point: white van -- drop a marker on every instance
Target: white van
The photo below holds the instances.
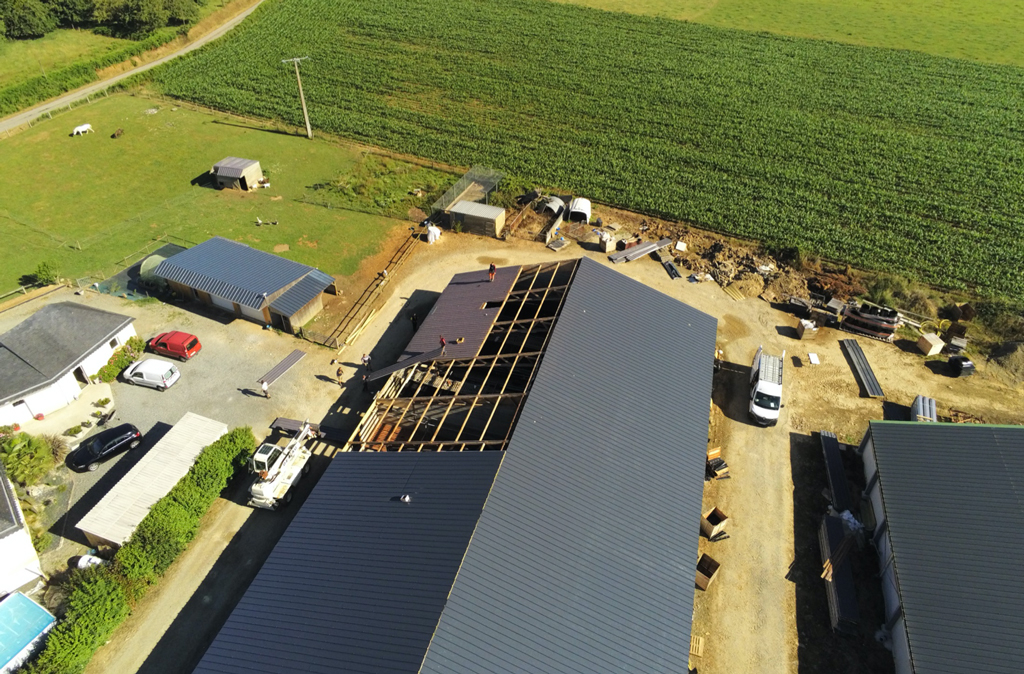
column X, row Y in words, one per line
column 152, row 372
column 765, row 388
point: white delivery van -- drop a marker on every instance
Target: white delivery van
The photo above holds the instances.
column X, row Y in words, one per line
column 765, row 388
column 152, row 372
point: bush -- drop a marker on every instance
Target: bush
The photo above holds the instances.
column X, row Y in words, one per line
column 122, row 358
column 25, row 457
column 172, row 523
column 45, row 274
column 73, row 431
column 58, row 446
column 103, row 402
column 96, row 605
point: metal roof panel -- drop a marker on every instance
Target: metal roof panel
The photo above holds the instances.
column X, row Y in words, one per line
column 961, row 598
column 300, row 294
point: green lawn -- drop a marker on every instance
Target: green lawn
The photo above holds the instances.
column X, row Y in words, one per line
column 111, row 196
column 982, row 31
column 24, row 59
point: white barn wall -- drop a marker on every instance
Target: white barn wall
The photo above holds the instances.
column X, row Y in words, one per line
column 98, row 358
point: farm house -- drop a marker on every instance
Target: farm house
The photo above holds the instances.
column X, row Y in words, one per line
column 426, row 536
column 477, row 218
column 19, row 563
column 237, row 173
column 265, row 288
column 945, row 518
column 47, row 359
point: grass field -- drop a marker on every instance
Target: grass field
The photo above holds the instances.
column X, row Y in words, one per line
column 111, row 197
column 884, row 159
column 23, row 59
column 981, row 31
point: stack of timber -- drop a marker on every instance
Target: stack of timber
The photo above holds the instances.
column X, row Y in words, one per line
column 871, row 320
column 716, row 469
column 843, row 611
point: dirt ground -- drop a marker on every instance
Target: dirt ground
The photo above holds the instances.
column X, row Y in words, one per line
column 764, row 611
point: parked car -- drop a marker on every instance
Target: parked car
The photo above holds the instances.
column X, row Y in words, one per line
column 180, row 345
column 152, row 372
column 103, row 446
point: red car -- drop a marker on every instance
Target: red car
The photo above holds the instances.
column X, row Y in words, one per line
column 180, row 345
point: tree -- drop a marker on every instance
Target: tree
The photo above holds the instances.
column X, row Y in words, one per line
column 182, row 11
column 26, row 18
column 71, row 13
column 46, row 273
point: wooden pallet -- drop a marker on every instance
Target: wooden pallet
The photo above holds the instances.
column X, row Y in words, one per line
column 697, row 646
column 732, row 291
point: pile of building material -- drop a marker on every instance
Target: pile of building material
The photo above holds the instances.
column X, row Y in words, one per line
column 870, row 320
column 639, row 251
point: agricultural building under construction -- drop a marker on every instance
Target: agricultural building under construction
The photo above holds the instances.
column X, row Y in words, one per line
column 525, row 499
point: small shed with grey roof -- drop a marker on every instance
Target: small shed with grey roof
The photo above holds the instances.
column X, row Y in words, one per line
column 476, row 218
column 113, row 520
column 243, row 174
column 947, row 510
column 48, row 358
column 265, row 288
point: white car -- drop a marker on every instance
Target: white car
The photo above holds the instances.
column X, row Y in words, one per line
column 153, row 372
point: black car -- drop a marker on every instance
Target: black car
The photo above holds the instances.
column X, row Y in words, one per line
column 103, row 446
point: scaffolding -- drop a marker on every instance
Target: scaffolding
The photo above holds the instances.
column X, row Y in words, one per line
column 476, row 185
column 472, row 403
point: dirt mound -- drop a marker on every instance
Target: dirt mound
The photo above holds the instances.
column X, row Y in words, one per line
column 749, row 283
column 1010, row 356
column 784, row 285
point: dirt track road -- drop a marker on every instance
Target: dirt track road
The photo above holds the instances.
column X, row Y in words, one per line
column 26, row 116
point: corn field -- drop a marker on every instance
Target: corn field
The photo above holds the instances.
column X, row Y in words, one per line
column 885, row 159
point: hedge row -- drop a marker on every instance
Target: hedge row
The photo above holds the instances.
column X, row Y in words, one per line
column 101, row 597
column 43, row 87
column 122, row 358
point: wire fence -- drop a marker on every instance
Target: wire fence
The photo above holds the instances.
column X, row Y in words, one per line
column 484, row 179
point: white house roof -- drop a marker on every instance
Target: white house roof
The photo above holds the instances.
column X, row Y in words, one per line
column 49, row 343
column 115, row 517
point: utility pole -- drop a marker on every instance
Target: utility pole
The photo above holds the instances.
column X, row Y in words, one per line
column 309, row 129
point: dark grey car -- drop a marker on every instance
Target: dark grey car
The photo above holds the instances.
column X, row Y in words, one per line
column 103, row 446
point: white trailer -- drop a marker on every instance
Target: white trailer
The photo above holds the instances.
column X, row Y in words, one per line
column 278, row 469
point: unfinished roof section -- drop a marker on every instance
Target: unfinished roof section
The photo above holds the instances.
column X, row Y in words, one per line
column 583, row 559
column 114, row 518
column 233, row 167
column 357, row 582
column 962, row 599
column 47, row 344
column 469, row 398
column 232, row 270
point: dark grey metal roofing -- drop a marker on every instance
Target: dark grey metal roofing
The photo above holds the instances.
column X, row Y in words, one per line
column 583, row 559
column 953, row 502
column 357, row 582
column 49, row 343
column 300, row 294
column 861, row 368
column 10, row 513
column 232, row 167
column 232, row 270
column 459, row 312
column 402, row 364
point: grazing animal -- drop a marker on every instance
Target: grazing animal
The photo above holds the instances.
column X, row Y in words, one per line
column 82, row 130
column 117, row 134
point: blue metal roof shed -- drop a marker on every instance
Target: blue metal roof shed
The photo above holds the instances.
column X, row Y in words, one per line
column 23, row 626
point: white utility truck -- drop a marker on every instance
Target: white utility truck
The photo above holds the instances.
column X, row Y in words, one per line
column 278, row 469
column 765, row 388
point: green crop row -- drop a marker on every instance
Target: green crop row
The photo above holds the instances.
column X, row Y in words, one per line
column 885, row 159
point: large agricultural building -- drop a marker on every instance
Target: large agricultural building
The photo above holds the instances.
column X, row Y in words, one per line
column 251, row 284
column 946, row 502
column 527, row 499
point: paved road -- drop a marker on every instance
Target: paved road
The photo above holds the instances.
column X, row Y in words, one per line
column 26, row 116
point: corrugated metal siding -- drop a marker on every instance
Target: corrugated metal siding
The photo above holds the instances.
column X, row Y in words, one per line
column 232, row 270
column 117, row 514
column 583, row 559
column 302, row 293
column 357, row 582
column 477, row 210
column 952, row 498
column 232, row 167
column 459, row 312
